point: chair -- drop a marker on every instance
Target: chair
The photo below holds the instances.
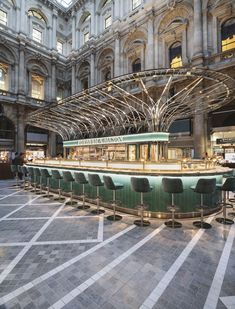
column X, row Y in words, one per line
column 203, row 186
column 38, row 180
column 56, row 175
column 14, row 170
column 225, row 188
column 81, row 179
column 94, row 180
column 110, row 185
column 25, row 176
column 45, row 174
column 141, row 185
column 67, row 177
column 172, row 186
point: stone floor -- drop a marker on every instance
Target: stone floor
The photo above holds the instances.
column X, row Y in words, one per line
column 55, row 256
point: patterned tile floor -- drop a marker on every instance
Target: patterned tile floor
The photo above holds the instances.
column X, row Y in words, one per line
column 56, row 256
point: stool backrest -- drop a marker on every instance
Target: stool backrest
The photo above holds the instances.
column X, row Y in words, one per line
column 206, row 186
column 80, row 178
column 31, row 172
column 56, row 174
column 172, row 185
column 94, row 180
column 45, row 173
column 24, row 170
column 108, row 183
column 229, row 184
column 140, row 184
column 67, row 176
column 14, row 168
column 37, row 172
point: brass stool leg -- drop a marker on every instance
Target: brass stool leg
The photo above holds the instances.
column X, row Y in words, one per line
column 172, row 223
column 141, row 222
column 201, row 224
column 114, row 217
column 59, row 190
column 71, row 202
column 98, row 211
column 224, row 220
column 83, row 206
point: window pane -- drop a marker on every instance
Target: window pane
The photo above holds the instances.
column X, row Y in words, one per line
column 135, row 3
column 86, row 37
column 3, row 77
column 108, row 21
column 3, row 18
column 37, row 87
column 37, row 35
column 228, row 34
column 60, row 47
column 175, row 55
column 136, row 65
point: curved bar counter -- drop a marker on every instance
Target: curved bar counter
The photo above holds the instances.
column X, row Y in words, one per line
column 157, row 199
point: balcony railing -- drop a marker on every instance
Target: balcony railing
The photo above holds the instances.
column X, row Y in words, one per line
column 228, row 55
column 9, row 96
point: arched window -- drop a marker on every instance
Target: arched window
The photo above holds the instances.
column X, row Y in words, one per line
column 38, row 26
column 175, row 55
column 37, row 87
column 105, row 3
column 36, row 14
column 85, row 83
column 7, row 128
column 3, row 17
column 107, row 76
column 228, row 35
column 136, row 65
column 3, row 76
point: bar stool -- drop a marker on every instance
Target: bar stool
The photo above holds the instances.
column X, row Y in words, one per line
column 172, row 186
column 226, row 187
column 81, row 179
column 94, row 180
column 203, row 186
column 31, row 178
column 45, row 174
column 110, row 185
column 141, row 185
column 25, row 176
column 67, row 177
column 14, row 170
column 56, row 175
column 38, row 175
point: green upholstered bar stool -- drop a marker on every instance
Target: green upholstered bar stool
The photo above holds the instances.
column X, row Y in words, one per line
column 25, row 177
column 56, row 175
column 45, row 174
column 81, row 179
column 67, row 177
column 141, row 185
column 31, row 178
column 110, row 185
column 95, row 181
column 38, row 180
column 203, row 186
column 172, row 186
column 14, row 170
column 226, row 187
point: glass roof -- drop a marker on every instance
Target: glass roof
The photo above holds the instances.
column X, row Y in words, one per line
column 65, row 3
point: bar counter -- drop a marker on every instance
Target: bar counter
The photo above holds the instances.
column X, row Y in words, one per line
column 157, row 199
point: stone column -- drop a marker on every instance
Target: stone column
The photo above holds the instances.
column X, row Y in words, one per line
column 117, row 56
column 199, row 135
column 92, row 68
column 73, row 76
column 54, row 29
column 52, row 144
column 215, row 34
column 116, row 10
column 197, row 30
column 22, row 17
column 53, row 79
column 21, row 87
column 184, row 46
column 73, row 30
column 93, row 29
column 20, row 130
column 150, row 46
column 18, row 12
column 205, row 33
column 156, row 58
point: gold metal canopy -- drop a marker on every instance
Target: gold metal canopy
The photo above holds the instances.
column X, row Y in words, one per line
column 148, row 101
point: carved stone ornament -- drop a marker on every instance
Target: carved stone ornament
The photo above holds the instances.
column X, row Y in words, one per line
column 171, row 4
column 38, row 56
column 3, row 40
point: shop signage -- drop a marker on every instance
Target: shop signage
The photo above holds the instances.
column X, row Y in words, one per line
column 121, row 139
column 226, row 140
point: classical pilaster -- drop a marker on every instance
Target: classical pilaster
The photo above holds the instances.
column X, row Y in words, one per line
column 53, row 79
column 51, row 144
column 215, row 34
column 73, row 30
column 92, row 68
column 18, row 12
column 23, row 18
column 117, row 56
column 197, row 33
column 73, row 76
column 54, row 29
column 199, row 135
column 205, row 33
column 20, row 130
column 21, row 85
column 93, row 27
column 150, row 45
column 116, row 10
column 184, row 46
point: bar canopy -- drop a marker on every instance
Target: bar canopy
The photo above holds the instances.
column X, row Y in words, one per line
column 148, row 101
